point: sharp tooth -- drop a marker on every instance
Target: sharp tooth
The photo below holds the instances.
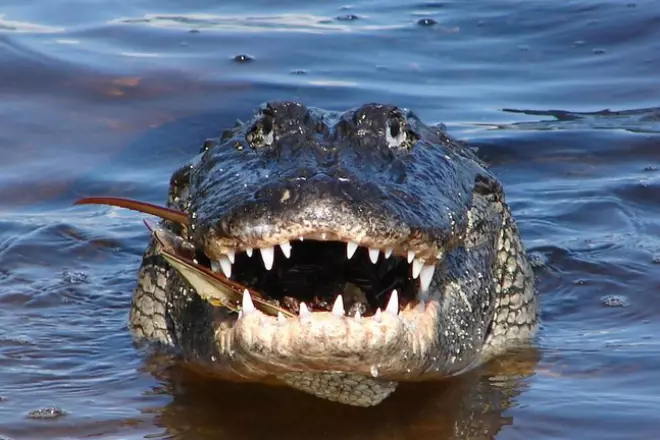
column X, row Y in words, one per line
column 268, row 255
column 231, row 254
column 351, row 247
column 286, row 249
column 338, row 307
column 417, row 267
column 357, row 315
column 215, row 266
column 426, row 276
column 248, row 305
column 304, row 311
column 301, row 238
column 393, row 304
column 225, row 264
column 249, row 251
column 373, row 255
column 240, row 314
column 281, row 319
column 411, row 256
column 378, row 316
column 324, row 236
column 388, row 252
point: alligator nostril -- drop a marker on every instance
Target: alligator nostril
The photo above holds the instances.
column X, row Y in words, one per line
column 264, row 193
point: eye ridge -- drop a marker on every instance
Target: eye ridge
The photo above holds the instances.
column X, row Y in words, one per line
column 262, row 132
column 398, row 134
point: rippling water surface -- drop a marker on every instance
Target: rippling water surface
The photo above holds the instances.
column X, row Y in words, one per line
column 108, row 97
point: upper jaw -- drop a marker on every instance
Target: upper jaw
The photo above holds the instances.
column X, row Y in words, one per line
column 420, row 246
column 325, row 209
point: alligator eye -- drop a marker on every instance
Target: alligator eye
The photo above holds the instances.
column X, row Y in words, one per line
column 394, row 135
column 267, row 130
column 261, row 133
column 395, row 128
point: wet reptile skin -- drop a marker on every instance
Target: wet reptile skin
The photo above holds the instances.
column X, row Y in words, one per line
column 482, row 295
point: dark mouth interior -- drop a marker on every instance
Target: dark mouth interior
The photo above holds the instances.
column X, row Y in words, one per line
column 318, row 271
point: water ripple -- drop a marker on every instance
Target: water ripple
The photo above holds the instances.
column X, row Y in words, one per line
column 22, row 27
column 303, row 23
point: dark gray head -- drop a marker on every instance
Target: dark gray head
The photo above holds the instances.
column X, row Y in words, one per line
column 387, row 253
column 375, row 176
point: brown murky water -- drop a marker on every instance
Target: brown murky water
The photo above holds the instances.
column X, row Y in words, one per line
column 110, row 97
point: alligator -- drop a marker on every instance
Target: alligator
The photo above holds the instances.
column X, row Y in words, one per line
column 338, row 253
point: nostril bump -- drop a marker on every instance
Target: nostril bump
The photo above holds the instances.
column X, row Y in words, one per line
column 264, row 193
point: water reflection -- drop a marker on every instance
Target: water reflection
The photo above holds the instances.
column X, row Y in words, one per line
column 7, row 25
column 646, row 120
column 472, row 406
column 305, row 23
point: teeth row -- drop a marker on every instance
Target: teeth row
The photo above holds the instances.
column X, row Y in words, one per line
column 419, row 269
column 338, row 311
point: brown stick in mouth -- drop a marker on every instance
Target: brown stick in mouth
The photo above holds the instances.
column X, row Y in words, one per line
column 214, row 287
column 135, row 205
column 217, row 289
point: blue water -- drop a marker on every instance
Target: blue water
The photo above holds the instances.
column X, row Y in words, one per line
column 109, row 97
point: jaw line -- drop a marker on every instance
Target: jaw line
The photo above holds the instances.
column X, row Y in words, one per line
column 396, row 347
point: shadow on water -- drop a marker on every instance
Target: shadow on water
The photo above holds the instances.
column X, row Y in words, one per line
column 645, row 120
column 472, row 406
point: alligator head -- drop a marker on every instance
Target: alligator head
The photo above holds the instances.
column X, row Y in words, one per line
column 361, row 248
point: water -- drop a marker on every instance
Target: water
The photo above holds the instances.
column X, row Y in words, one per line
column 108, row 97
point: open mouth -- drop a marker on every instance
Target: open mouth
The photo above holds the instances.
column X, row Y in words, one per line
column 298, row 277
column 311, row 275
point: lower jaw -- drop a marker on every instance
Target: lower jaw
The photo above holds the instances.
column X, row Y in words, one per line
column 349, row 389
column 392, row 348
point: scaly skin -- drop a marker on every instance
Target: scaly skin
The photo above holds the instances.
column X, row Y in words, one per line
column 431, row 193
